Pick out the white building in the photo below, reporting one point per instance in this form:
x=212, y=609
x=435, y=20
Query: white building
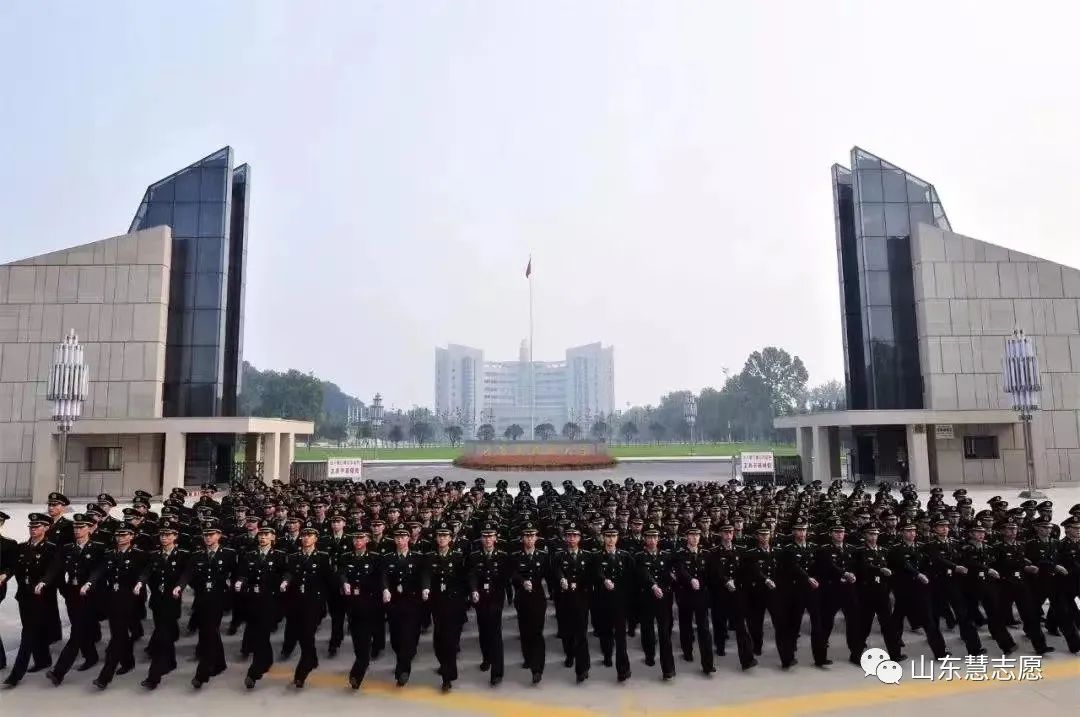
x=473, y=392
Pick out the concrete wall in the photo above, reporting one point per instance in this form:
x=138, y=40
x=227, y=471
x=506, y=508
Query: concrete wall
x=970, y=295
x=142, y=461
x=114, y=294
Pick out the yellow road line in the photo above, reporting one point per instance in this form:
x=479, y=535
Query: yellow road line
x=828, y=702
x=790, y=706
x=457, y=700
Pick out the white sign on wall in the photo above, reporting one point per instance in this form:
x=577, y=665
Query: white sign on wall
x=944, y=432
x=344, y=468
x=757, y=462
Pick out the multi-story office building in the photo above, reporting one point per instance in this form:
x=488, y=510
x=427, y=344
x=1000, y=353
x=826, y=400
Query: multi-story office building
x=474, y=392
x=925, y=314
x=159, y=312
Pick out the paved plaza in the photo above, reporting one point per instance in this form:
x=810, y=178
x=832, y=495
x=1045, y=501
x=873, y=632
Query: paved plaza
x=841, y=689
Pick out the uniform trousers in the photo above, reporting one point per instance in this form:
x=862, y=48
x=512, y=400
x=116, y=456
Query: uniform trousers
x=405, y=612
x=611, y=611
x=33, y=639
x=162, y=646
x=448, y=617
x=258, y=624
x=656, y=627
x=121, y=608
x=574, y=626
x=694, y=612
x=729, y=613
x=210, y=650
x=531, y=609
x=83, y=618
x=489, y=613
x=307, y=613
x=837, y=597
x=874, y=602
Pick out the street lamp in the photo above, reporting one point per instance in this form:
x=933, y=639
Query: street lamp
x=376, y=420
x=690, y=413
x=1020, y=373
x=68, y=388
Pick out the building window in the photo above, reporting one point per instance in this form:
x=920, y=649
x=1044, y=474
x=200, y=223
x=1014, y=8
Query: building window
x=104, y=459
x=980, y=447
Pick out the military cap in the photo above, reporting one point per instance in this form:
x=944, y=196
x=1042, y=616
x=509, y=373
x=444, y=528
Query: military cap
x=399, y=529
x=762, y=529
x=168, y=526
x=837, y=526
x=293, y=519
x=1075, y=510
x=651, y=529
x=975, y=527
x=337, y=516
x=910, y=526
x=39, y=519
x=528, y=528
x=936, y=490
x=1042, y=523
x=125, y=528
x=501, y=484
x=58, y=498
x=489, y=528
x=1071, y=522
x=211, y=526
x=725, y=526
x=871, y=528
x=377, y=521
x=359, y=530
x=572, y=528
x=251, y=519
x=309, y=528
x=995, y=499
x=106, y=499
x=610, y=529
x=443, y=528
x=800, y=524
x=131, y=513
x=265, y=526
x=1046, y=505
x=142, y=494
x=1029, y=504
x=81, y=519
x=959, y=492
x=4, y=516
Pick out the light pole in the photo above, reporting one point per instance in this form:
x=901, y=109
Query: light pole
x=690, y=413
x=1020, y=374
x=68, y=388
x=376, y=421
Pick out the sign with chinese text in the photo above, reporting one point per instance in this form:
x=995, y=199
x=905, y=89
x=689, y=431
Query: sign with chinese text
x=757, y=462
x=344, y=468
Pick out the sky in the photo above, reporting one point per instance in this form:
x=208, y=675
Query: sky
x=665, y=164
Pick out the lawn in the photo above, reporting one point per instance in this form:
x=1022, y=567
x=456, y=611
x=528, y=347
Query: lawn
x=636, y=450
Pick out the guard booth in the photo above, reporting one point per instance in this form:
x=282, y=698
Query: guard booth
x=757, y=468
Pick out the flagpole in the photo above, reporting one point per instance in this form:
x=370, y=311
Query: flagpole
x=532, y=366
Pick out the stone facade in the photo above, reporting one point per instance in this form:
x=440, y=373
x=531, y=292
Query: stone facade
x=970, y=296
x=114, y=294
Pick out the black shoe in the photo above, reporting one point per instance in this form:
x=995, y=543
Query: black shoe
x=99, y=684
x=822, y=663
x=447, y=685
x=721, y=651
x=485, y=666
x=495, y=681
x=980, y=651
x=607, y=662
x=582, y=677
x=855, y=660
x=631, y=632
x=332, y=651
x=402, y=679
x=1045, y=650
x=650, y=661
x=149, y=684
x=298, y=684
x=124, y=669
x=354, y=682
x=536, y=677
x=1010, y=650
x=688, y=658
x=788, y=665
x=54, y=678
x=624, y=677
x=568, y=662
x=375, y=654
x=249, y=682
x=757, y=651
x=748, y=665
x=668, y=676
x=10, y=683
x=197, y=683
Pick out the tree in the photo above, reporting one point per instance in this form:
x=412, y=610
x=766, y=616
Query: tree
x=545, y=432
x=571, y=431
x=600, y=431
x=628, y=431
x=420, y=432
x=828, y=396
x=657, y=431
x=396, y=435
x=332, y=432
x=486, y=432
x=783, y=377
x=365, y=430
x=453, y=434
x=513, y=432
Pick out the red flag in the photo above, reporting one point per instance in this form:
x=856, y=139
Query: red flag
x=528, y=269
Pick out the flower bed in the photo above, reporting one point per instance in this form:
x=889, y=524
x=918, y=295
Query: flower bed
x=535, y=462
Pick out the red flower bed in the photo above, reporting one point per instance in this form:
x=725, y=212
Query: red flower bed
x=535, y=463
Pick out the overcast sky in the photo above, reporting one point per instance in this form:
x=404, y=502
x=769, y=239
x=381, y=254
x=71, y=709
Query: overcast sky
x=666, y=163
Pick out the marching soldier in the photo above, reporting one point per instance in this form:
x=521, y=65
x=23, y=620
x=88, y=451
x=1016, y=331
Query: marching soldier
x=117, y=583
x=76, y=565
x=209, y=572
x=361, y=586
x=872, y=580
x=445, y=579
x=29, y=567
x=571, y=575
x=335, y=543
x=488, y=574
x=61, y=531
x=800, y=592
x=402, y=595
x=529, y=571
x=692, y=586
x=945, y=588
x=1044, y=575
x=1069, y=583
x=763, y=595
x=258, y=576
x=980, y=583
x=728, y=610
x=910, y=566
x=614, y=581
x=162, y=572
x=655, y=572
x=308, y=578
x=1010, y=563
x=8, y=551
x=834, y=570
